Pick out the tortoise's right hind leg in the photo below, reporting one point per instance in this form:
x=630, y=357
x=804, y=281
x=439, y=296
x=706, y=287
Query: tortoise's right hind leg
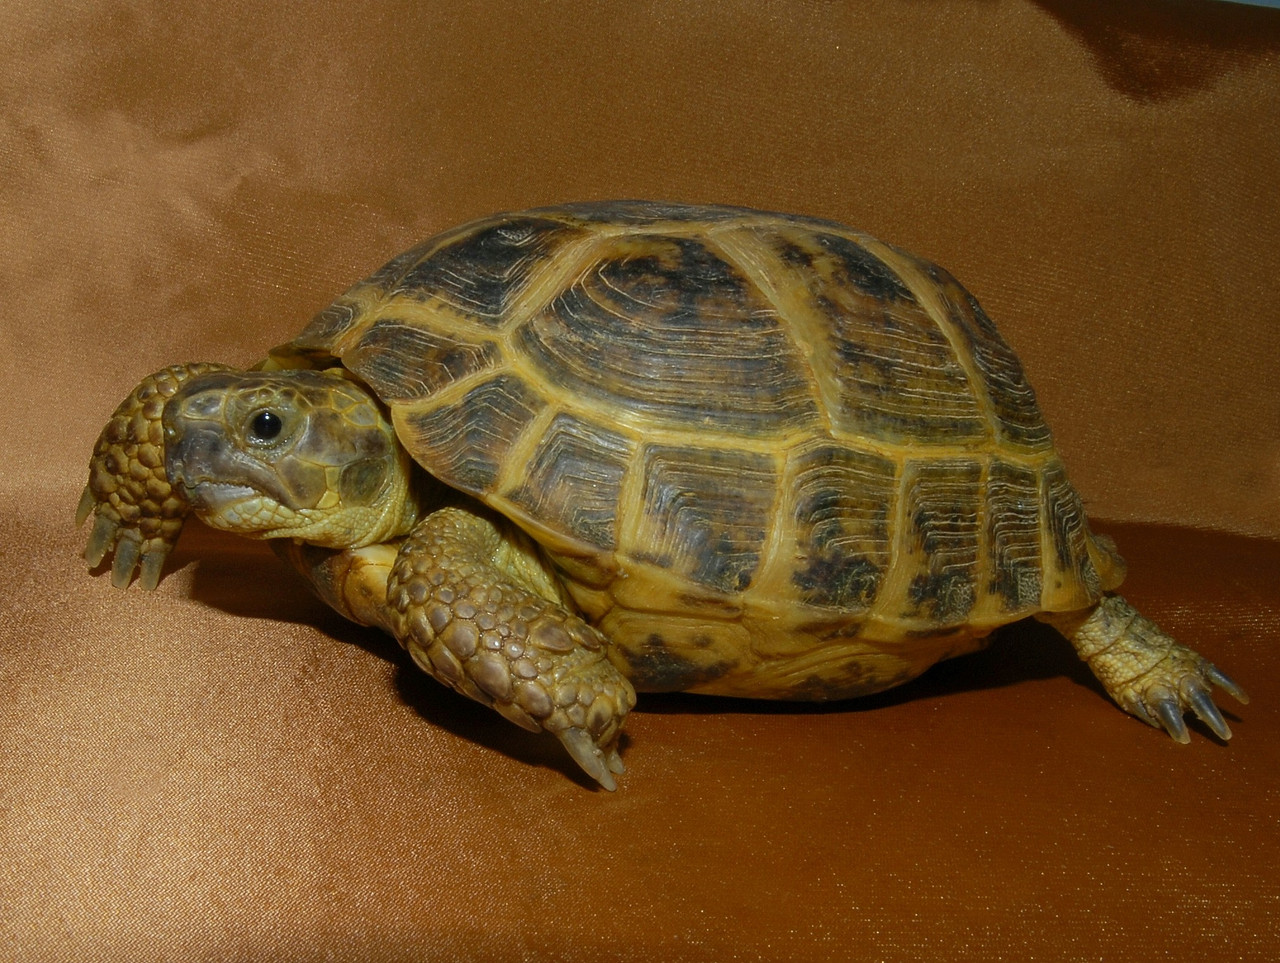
x=462, y=600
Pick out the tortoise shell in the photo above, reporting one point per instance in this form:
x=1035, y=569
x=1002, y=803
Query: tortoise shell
x=770, y=455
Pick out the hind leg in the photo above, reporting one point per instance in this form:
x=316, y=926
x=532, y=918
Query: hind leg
x=1146, y=672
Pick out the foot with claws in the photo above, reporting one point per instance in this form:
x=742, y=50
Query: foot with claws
x=1147, y=673
x=471, y=605
x=137, y=513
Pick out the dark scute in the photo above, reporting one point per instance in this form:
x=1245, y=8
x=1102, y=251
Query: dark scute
x=864, y=271
x=665, y=325
x=793, y=255
x=464, y=444
x=945, y=596
x=851, y=681
x=1012, y=398
x=574, y=479
x=1066, y=518
x=706, y=513
x=842, y=504
x=480, y=271
x=403, y=361
x=1013, y=532
x=943, y=500
x=656, y=668
x=326, y=327
x=894, y=370
x=841, y=581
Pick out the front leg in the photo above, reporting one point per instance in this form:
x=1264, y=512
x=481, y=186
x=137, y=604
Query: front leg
x=138, y=515
x=474, y=607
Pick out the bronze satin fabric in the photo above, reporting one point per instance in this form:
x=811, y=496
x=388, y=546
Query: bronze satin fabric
x=224, y=770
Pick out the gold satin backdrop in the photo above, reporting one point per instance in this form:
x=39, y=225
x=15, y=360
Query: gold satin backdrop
x=225, y=770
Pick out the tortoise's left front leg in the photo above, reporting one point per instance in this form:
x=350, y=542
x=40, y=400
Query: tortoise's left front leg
x=471, y=601
x=466, y=598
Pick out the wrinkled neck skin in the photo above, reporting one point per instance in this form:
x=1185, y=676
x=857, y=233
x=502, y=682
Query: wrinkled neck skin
x=304, y=455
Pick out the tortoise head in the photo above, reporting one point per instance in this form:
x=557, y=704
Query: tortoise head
x=303, y=454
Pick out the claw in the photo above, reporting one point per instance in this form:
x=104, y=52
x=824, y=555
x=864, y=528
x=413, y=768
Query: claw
x=1171, y=718
x=1225, y=682
x=1207, y=712
x=152, y=564
x=101, y=539
x=87, y=504
x=590, y=757
x=126, y=560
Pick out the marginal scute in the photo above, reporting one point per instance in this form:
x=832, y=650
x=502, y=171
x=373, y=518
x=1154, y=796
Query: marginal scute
x=673, y=653
x=1013, y=532
x=654, y=666
x=1069, y=528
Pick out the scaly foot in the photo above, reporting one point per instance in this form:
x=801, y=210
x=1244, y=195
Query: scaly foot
x=1146, y=672
x=137, y=514
x=461, y=602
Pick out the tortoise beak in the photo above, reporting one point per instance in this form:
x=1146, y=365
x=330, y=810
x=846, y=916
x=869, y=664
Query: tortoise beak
x=194, y=460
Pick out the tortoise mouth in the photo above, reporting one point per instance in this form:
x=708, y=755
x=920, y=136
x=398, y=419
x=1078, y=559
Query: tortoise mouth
x=212, y=472
x=242, y=509
x=211, y=496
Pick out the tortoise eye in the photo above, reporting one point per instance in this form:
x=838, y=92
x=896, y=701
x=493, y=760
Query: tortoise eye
x=265, y=426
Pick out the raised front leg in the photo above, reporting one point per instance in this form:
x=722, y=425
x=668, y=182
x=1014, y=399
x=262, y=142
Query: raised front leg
x=473, y=605
x=137, y=513
x=1146, y=672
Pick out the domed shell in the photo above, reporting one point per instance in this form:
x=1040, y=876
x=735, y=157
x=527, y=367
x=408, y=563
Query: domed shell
x=715, y=409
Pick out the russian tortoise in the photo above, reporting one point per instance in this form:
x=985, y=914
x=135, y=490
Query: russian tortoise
x=562, y=453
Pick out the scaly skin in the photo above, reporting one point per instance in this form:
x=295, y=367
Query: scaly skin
x=473, y=603
x=1147, y=673
x=459, y=606
x=137, y=512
